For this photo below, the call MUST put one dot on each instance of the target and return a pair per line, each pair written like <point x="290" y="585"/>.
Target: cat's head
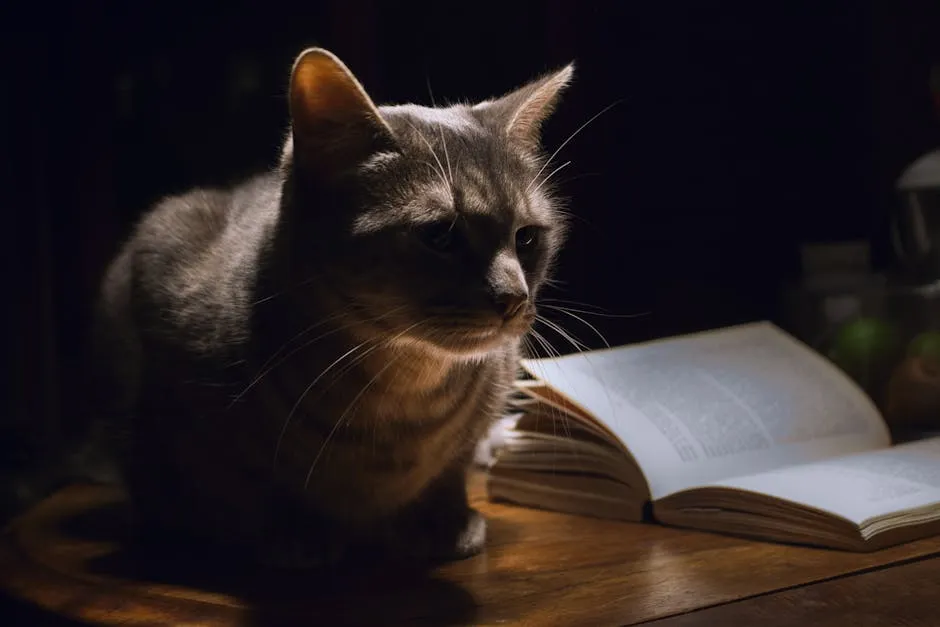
<point x="430" y="225"/>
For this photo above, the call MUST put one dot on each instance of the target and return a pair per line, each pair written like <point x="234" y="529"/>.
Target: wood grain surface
<point x="907" y="595"/>
<point x="67" y="557"/>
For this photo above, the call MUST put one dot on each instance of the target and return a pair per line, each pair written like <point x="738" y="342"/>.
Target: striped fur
<point x="309" y="358"/>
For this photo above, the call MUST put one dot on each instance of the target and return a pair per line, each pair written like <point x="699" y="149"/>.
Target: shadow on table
<point x="367" y="595"/>
<point x="15" y="612"/>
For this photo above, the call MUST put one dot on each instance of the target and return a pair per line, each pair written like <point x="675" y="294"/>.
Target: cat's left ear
<point x="335" y="125"/>
<point x="522" y="112"/>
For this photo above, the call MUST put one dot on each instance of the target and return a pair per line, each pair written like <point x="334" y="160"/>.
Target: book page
<point x="704" y="407"/>
<point x="858" y="487"/>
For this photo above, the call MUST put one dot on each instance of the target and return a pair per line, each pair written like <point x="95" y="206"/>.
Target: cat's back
<point x="197" y="236"/>
<point x="190" y="263"/>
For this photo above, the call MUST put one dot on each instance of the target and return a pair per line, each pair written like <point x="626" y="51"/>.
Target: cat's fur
<point x="229" y="322"/>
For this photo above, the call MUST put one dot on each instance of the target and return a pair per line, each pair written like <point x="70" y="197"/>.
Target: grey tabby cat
<point x="303" y="364"/>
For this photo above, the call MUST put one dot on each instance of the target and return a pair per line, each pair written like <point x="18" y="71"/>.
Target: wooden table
<point x="540" y="568"/>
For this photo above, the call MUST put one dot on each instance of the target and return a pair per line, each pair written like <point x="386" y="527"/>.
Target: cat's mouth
<point x="476" y="337"/>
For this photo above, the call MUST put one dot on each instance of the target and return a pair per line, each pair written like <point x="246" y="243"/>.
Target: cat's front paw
<point x="445" y="539"/>
<point x="470" y="540"/>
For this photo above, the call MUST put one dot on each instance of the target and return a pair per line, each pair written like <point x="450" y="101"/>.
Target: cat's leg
<point x="442" y="525"/>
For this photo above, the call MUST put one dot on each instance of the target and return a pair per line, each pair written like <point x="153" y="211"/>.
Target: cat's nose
<point x="507" y="283"/>
<point x="511" y="304"/>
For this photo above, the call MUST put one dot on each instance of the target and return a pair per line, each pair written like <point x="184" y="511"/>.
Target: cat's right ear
<point x="335" y="126"/>
<point x="522" y="112"/>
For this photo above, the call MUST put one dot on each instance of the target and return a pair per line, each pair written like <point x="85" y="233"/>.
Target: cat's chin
<point x="472" y="346"/>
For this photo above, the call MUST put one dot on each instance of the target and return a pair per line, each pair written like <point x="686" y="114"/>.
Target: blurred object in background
<point x="883" y="329"/>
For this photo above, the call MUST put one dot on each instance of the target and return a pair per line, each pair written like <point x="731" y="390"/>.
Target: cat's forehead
<point x="465" y="165"/>
<point x="409" y="120"/>
<point x="406" y="119"/>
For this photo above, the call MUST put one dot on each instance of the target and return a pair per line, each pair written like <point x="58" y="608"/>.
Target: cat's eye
<point x="440" y="237"/>
<point x="527" y="238"/>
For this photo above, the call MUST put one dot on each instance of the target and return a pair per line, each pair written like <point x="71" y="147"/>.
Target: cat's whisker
<point x="440" y="127"/>
<point x="287" y="290"/>
<point x="302" y="333"/>
<point x="639" y="314"/>
<point x="529" y="342"/>
<point x="436" y="172"/>
<point x="450" y="172"/>
<point x="358" y="359"/>
<point x="558" y="416"/>
<point x="577" y="344"/>
<point x="579" y="176"/>
<point x="543" y="343"/>
<point x="342" y="417"/>
<point x="552" y="350"/>
<point x="581" y="349"/>
<point x="546" y="302"/>
<point x="568" y="301"/>
<point x="355" y="399"/>
<point x="550" y="175"/>
<point x="440" y="165"/>
<point x="581" y="320"/>
<point x="306" y="391"/>
<point x="527" y="347"/>
<point x="427" y="80"/>
<point x="335" y="316"/>
<point x="375" y="423"/>
<point x="570" y="137"/>
<point x="265" y="371"/>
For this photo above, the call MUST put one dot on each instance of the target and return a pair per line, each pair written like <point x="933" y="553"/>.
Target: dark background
<point x="744" y="129"/>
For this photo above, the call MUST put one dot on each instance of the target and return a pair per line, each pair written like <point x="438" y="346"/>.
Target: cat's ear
<point x="334" y="124"/>
<point x="522" y="112"/>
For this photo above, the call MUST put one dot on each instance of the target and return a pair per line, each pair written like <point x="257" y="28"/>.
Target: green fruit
<point x="926" y="345"/>
<point x="865" y="346"/>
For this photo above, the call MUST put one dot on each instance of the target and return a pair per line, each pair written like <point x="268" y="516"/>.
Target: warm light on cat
<point x="305" y="362"/>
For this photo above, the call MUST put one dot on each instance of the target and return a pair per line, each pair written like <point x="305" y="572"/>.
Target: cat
<point x="304" y="364"/>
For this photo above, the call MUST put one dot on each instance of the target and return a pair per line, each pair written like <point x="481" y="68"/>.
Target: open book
<point x="743" y="430"/>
